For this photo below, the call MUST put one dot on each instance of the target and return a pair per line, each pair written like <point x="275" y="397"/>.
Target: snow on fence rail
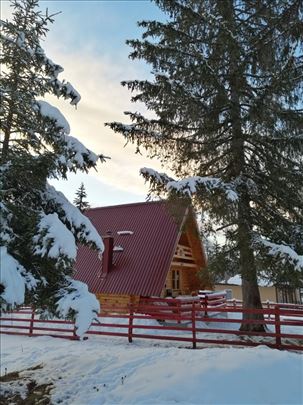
<point x="265" y="304"/>
<point x="189" y="321"/>
<point x="27" y="322"/>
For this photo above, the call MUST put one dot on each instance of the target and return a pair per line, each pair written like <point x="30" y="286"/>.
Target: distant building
<point x="268" y="291"/>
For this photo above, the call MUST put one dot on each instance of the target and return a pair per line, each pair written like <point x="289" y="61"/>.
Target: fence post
<point x="31" y="323"/>
<point x="193" y="324"/>
<point x="206" y="304"/>
<point x="75" y="336"/>
<point x="268" y="307"/>
<point x="130" y="323"/>
<point x="278" y="327"/>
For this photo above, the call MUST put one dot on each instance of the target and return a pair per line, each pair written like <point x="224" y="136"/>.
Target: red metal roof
<point x="141" y="268"/>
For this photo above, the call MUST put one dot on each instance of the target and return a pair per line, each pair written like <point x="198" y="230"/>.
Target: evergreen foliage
<point x="222" y="262"/>
<point x="39" y="226"/>
<point x="227" y="121"/>
<point x="79" y="200"/>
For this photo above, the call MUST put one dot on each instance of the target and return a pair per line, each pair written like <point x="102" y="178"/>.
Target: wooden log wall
<point x="110" y="302"/>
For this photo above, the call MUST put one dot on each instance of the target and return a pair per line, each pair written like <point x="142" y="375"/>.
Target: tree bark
<point x="250" y="290"/>
<point x="7" y="124"/>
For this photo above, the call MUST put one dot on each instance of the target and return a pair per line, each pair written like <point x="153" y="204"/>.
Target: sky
<point x="88" y="40"/>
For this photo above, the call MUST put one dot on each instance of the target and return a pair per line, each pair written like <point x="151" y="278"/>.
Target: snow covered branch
<point x="141" y="129"/>
<point x="78" y="223"/>
<point x="54" y="239"/>
<point x="190" y="185"/>
<point x="51" y="112"/>
<point x="60" y="88"/>
<point x="73" y="153"/>
<point x="281" y="251"/>
<point x="14" y="279"/>
<point x="76" y="298"/>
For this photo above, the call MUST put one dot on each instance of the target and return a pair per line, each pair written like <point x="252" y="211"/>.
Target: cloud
<point x="103" y="99"/>
<point x="97" y="77"/>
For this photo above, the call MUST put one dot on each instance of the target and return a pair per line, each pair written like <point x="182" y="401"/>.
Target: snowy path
<point x="110" y="371"/>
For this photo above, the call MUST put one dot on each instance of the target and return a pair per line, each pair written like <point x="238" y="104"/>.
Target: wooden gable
<point x="188" y="260"/>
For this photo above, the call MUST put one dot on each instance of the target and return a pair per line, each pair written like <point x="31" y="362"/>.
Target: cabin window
<point x="176" y="279"/>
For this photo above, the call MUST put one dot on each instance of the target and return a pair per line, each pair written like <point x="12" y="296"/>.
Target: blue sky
<point x="88" y="40"/>
<point x="102" y="25"/>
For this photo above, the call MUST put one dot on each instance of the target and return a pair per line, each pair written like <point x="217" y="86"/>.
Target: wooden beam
<point x="183" y="252"/>
<point x="182" y="264"/>
<point x="184" y="247"/>
<point x="183" y="257"/>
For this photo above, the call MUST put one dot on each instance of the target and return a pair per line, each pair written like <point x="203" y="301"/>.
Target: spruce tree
<point x="40" y="228"/>
<point x="79" y="200"/>
<point x="222" y="261"/>
<point x="227" y="121"/>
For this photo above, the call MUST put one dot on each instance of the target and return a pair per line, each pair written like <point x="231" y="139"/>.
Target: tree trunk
<point x="251" y="299"/>
<point x="8" y="123"/>
<point x="250" y="290"/>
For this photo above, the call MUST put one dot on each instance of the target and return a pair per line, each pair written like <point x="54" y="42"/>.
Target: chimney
<point x="107" y="257"/>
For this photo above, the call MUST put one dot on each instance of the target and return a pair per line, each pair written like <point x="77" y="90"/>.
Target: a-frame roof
<point x="148" y="233"/>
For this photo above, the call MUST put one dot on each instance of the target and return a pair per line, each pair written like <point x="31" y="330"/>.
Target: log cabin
<point x="152" y="249"/>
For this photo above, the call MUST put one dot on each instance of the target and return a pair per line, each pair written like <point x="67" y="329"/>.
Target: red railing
<point x="189" y="321"/>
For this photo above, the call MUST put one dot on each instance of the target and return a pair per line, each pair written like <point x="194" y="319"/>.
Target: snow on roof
<point x="118" y="248"/>
<point x="237" y="280"/>
<point x="125" y="232"/>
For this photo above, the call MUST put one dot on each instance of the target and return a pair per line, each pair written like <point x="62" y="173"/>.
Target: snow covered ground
<point x="111" y="371"/>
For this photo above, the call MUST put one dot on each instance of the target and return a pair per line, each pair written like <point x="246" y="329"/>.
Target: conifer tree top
<point x="79" y="200"/>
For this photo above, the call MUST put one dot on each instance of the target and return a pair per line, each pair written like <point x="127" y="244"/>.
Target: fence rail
<point x="192" y="321"/>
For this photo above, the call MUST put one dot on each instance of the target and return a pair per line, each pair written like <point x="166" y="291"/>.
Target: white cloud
<point x="97" y="78"/>
<point x="103" y="100"/>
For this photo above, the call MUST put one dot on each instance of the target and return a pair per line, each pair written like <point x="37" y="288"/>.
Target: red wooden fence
<point x="190" y="321"/>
